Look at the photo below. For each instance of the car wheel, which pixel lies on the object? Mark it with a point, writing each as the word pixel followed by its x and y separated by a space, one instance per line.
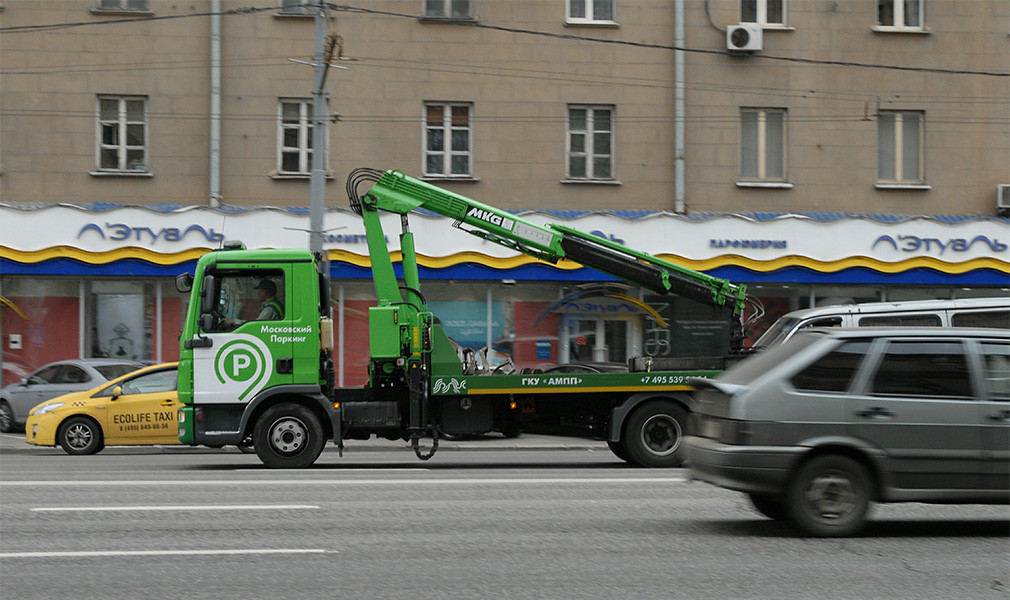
pixel 619 451
pixel 773 507
pixel 79 436
pixel 653 435
pixel 6 418
pixel 288 436
pixel 830 496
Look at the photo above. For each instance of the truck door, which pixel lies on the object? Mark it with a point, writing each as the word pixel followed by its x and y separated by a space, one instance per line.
pixel 244 320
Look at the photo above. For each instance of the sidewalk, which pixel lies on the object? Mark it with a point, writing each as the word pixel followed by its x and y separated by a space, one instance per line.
pixel 14 443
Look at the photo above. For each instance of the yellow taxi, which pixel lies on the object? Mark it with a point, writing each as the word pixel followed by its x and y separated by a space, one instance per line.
pixel 140 408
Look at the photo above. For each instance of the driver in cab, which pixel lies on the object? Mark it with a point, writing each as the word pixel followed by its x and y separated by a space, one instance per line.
pixel 270 307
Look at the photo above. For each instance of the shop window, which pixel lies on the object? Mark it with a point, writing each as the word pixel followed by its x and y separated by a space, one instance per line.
pixel 120 320
pixel 40 322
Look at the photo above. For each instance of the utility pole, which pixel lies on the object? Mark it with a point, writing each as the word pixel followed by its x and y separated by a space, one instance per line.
pixel 324 46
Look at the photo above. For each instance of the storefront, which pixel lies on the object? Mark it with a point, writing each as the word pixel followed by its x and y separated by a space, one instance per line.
pixel 89 282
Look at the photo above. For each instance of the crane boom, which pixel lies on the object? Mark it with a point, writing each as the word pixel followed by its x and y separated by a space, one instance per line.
pixel 392 191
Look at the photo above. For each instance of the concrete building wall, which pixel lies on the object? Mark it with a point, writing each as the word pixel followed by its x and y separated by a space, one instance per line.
pixel 519 85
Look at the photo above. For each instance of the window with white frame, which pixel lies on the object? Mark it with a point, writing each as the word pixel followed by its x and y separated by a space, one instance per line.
pixel 900 14
pixel 122 133
pixel 123 5
pixel 448 9
pixel 762 144
pixel 763 12
pixel 297 7
pixel 294 137
pixel 591 11
pixel 899 147
pixel 448 139
pixel 591 142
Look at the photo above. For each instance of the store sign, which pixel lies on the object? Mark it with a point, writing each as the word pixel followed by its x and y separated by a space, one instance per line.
pixel 122 232
pixel 752 244
pixel 599 306
pixel 914 243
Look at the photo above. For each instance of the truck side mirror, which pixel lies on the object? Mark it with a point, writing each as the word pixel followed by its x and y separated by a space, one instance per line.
pixel 206 322
pixel 184 283
pixel 208 294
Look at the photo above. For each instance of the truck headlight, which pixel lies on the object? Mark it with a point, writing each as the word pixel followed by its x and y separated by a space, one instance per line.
pixel 46 408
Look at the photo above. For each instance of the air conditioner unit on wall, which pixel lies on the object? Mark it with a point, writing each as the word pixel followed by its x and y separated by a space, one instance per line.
pixel 1003 196
pixel 743 38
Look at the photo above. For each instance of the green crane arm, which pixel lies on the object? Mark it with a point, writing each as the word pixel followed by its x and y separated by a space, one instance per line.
pixel 395 192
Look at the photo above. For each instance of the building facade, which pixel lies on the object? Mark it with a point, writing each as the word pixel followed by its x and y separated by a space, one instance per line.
pixel 816 151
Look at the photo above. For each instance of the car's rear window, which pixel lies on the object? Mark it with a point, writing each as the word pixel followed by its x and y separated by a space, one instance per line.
pixel 746 371
pixel 111 372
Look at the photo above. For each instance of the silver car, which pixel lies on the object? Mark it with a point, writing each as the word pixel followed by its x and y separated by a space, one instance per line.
pixel 56 379
pixel 816 429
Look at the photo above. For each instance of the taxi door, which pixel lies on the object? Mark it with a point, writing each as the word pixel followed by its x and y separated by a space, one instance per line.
pixel 143 410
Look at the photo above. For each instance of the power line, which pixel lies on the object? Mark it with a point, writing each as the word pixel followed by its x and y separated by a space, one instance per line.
pixel 520 31
pixel 566 36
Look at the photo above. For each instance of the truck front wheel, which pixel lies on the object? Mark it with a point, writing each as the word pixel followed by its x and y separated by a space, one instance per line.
pixel 653 435
pixel 288 436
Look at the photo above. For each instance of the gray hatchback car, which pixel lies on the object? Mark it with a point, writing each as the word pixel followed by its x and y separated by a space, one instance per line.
pixel 56 379
pixel 834 419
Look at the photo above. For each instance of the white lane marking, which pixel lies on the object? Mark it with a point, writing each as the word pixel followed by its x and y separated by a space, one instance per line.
pixel 344 482
pixel 183 507
pixel 164 553
pixel 365 470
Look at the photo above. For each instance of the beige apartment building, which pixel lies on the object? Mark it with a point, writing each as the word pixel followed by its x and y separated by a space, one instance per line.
pixel 816 150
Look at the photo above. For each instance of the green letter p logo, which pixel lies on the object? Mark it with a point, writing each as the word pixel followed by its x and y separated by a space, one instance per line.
pixel 242 366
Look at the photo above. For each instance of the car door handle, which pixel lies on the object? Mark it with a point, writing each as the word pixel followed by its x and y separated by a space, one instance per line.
pixel 877 412
pixel 1003 415
pixel 167 402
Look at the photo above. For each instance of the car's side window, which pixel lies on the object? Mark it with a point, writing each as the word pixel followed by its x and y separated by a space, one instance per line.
pixel 822 322
pixel 997 370
pixel 161 381
pixel 46 375
pixel 71 374
pixel 834 371
pixel 901 321
pixel 923 369
pixel 989 318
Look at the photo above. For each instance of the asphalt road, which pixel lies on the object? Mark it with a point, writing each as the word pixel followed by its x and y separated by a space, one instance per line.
pixel 535 517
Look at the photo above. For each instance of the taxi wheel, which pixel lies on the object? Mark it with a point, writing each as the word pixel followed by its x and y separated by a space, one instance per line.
pixel 79 436
pixel 6 418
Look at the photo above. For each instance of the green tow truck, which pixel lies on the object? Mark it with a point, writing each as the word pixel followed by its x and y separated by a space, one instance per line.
pixel 270 383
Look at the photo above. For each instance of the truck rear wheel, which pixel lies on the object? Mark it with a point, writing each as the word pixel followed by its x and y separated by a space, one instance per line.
pixel 653 435
pixel 288 436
